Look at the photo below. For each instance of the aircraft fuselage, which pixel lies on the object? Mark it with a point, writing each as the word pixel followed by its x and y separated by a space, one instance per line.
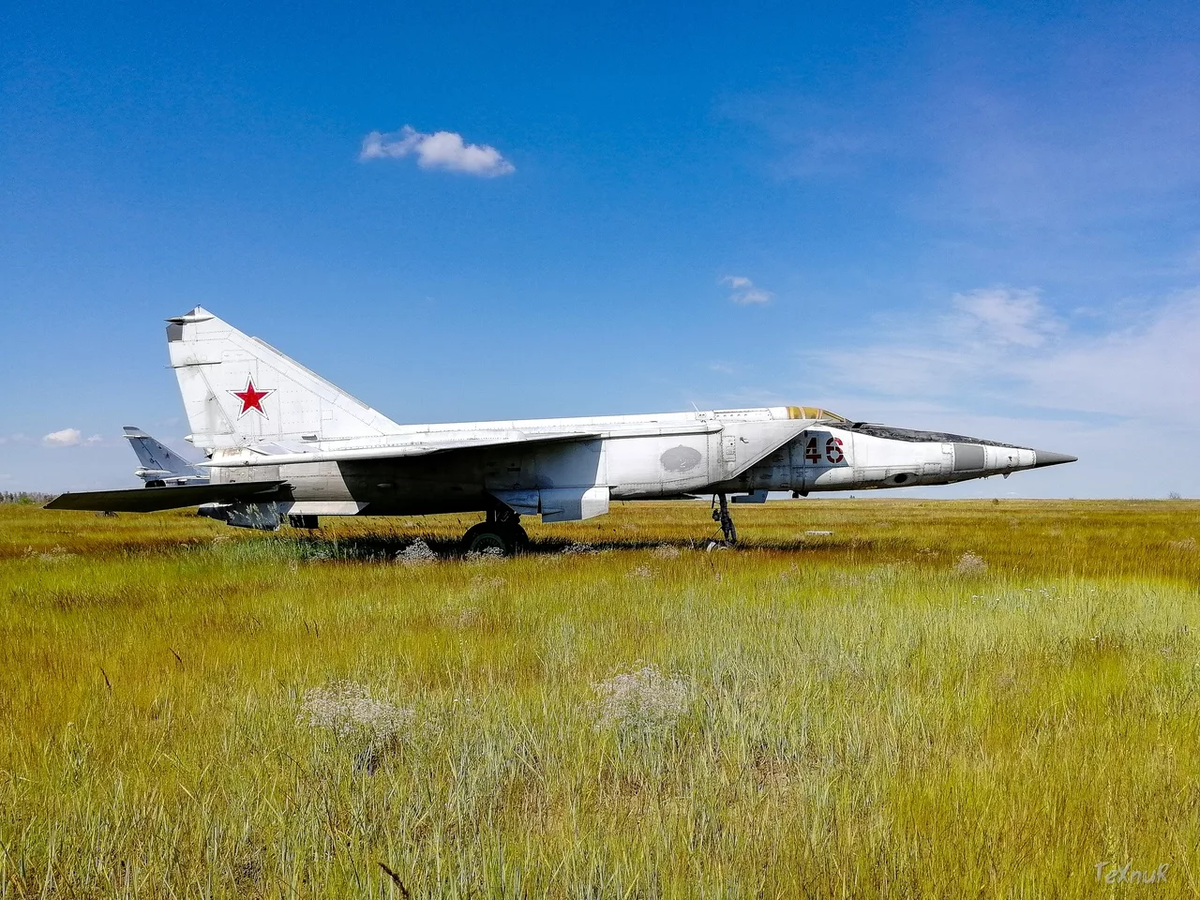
pixel 721 451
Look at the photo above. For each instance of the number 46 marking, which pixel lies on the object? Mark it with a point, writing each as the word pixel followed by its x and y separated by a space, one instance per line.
pixel 833 451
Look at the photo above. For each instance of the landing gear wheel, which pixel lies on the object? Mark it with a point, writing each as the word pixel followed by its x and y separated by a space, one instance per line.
pixel 487 537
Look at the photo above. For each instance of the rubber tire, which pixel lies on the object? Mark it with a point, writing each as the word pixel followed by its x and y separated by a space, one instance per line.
pixel 510 539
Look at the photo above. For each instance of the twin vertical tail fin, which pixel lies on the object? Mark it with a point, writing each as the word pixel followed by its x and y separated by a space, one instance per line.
pixel 239 391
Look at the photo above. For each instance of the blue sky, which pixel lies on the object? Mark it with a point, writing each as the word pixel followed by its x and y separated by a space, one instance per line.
pixel 979 218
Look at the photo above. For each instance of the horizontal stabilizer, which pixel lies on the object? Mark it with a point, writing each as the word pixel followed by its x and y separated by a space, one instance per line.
pixel 157 498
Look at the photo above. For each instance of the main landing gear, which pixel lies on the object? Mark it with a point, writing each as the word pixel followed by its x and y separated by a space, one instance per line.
pixel 721 514
pixel 501 531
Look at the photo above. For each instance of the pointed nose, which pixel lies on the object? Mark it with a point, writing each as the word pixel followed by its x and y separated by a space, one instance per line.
pixel 1046 458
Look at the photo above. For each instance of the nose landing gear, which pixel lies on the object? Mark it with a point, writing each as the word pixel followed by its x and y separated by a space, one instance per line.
pixel 721 515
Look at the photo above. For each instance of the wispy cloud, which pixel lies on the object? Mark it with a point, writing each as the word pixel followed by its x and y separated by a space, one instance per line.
pixel 1002 316
pixel 1073 151
pixel 1093 130
pixel 809 139
pixel 68 437
pixel 1001 348
pixel 439 150
pixel 744 290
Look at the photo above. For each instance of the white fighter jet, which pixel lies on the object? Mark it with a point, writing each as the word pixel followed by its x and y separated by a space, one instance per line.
pixel 282 441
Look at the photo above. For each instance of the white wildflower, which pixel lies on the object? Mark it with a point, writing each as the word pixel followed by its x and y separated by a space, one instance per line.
pixel 640 572
pixel 416 553
pixel 666 551
pixel 487 554
pixel 56 553
pixel 646 699
pixel 578 548
pixel 970 564
pixel 347 708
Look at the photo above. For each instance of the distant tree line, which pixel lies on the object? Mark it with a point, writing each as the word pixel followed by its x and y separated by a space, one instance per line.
pixel 26 497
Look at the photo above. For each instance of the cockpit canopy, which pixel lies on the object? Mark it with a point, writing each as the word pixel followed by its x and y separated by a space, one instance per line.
pixel 813 412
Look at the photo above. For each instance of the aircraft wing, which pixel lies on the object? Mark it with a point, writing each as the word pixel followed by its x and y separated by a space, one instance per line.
pixel 275 454
pixel 397 451
pixel 157 498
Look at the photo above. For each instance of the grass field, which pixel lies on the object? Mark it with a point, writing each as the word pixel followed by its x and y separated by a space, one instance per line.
pixel 951 699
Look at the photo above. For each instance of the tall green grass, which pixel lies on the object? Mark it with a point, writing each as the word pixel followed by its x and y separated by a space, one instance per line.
pixel 937 699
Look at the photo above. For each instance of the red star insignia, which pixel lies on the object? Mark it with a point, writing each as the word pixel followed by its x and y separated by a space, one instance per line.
pixel 252 398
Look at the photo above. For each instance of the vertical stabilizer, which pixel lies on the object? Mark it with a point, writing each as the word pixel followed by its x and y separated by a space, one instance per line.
pixel 238 390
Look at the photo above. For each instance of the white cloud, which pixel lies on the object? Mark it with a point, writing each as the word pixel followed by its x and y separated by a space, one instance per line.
pixel 1148 368
pixel 1004 316
pixel 440 150
pixel 744 291
pixel 94 439
pixel 68 437
pixel 1001 348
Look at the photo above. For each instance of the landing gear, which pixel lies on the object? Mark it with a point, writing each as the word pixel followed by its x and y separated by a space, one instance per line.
pixel 501 532
pixel 721 515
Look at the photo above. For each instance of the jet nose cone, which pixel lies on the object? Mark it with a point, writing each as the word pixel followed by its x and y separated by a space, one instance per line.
pixel 1046 458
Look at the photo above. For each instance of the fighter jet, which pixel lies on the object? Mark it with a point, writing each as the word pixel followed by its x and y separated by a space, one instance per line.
pixel 281 441
pixel 159 465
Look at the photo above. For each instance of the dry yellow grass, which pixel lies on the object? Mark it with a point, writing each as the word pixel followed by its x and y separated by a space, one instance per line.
pixel 937 699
